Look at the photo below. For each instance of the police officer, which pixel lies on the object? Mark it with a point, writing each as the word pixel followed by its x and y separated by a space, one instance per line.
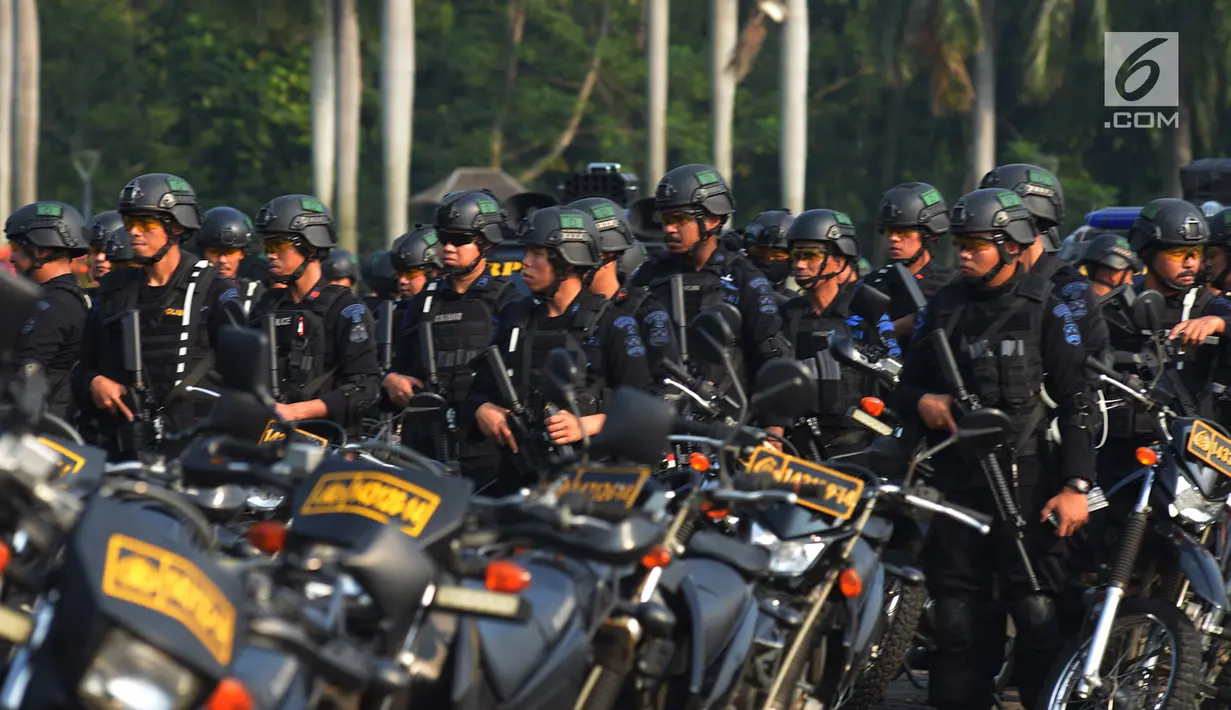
pixel 341 268
pixel 823 250
pixel 912 218
pixel 180 299
pixel 1043 196
pixel 765 244
pixel 109 243
pixel 45 237
pixel 416 260
pixel 1217 267
pixel 326 351
pixel 226 234
pixel 461 310
pixel 381 279
pixel 616 238
pixel 562 249
pixel 1008 332
pixel 1109 262
pixel 694 202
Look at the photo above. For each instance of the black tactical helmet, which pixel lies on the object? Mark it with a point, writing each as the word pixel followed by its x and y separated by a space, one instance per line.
pixel 769 230
pixel 617 236
pixel 1168 222
pixel 51 225
pixel 103 225
pixel 119 247
pixel 1109 250
pixel 914 205
pixel 995 211
pixel 695 187
pixel 226 228
pixel 340 264
pixel 1039 189
pixel 1220 228
pixel 302 216
pixel 825 226
pixel 379 274
pixel 416 249
pixel 168 196
pixel 569 232
pixel 631 260
pixel 475 211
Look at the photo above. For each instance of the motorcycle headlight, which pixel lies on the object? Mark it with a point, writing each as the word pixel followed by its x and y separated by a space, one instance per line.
pixel 787 557
pixel 1190 505
pixel 129 674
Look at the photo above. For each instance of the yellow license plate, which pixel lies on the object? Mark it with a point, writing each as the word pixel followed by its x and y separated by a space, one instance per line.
pixel 274 433
pixel 842 491
pixel 1211 446
pixel 608 484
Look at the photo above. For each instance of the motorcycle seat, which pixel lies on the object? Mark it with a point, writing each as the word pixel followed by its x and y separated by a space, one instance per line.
pixel 722 596
pixel 751 560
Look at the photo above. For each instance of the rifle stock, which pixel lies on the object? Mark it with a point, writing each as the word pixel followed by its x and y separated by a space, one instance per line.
pixel 139 434
pixel 679 315
pixel 384 336
pixel 271 335
pixel 1006 503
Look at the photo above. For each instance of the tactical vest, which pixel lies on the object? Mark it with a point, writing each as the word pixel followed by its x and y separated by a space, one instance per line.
pixel 708 287
pixel 461 329
pixel 529 346
pixel 249 291
pixel 837 390
pixel 1000 354
pixel 305 345
pixel 59 371
pixel 631 299
pixel 932 278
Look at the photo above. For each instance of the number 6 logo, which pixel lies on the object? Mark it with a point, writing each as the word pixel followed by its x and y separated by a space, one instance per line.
pixel 1141 69
pixel 1132 64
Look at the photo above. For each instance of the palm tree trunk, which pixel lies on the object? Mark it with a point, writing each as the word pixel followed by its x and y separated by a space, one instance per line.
pixel 27 34
pixel 6 108
pixel 657 19
pixel 350 94
pixel 1180 149
pixel 794 148
pixel 983 113
pixel 324 99
pixel 398 92
pixel 724 36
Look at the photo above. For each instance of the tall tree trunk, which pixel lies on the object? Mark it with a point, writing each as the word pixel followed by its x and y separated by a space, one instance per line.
pixel 517 30
pixel 724 36
pixel 398 96
pixel 7 51
pixel 27 97
pixel 350 95
pixel 324 70
pixel 657 20
pixel 1179 147
pixel 983 113
pixel 794 148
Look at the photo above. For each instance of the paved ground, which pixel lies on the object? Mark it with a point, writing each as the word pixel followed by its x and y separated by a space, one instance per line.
pixel 902 695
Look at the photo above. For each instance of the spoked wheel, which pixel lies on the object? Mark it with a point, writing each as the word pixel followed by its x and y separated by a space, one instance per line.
pixel 904 609
pixel 1153 662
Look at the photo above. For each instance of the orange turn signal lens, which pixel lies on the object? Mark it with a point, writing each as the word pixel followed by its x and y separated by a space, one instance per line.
pixel 658 556
pixel 716 513
pixel 506 576
pixel 1146 456
pixel 230 695
pixel 268 536
pixel 849 583
pixel 6 554
pixel 699 462
pixel 872 405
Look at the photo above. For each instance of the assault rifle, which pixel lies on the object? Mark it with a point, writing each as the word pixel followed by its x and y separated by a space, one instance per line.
pixel 1002 493
pixel 141 433
pixel 384 336
pixel 271 341
pixel 534 447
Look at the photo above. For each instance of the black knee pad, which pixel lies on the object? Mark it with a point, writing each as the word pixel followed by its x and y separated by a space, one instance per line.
pixel 956 621
pixel 1038 616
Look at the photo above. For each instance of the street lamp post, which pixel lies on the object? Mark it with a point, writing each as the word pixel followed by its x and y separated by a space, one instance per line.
pixel 86 162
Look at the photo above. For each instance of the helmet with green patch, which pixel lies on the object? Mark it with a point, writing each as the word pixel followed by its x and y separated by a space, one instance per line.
pixel 298 216
pixel 992 213
pixel 568 232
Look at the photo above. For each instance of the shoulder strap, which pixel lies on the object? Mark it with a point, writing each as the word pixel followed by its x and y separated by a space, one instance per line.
pixel 199 280
pixel 76 290
pixel 589 318
pixel 325 299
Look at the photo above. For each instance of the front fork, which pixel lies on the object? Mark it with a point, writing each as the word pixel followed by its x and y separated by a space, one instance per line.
pixel 1121 574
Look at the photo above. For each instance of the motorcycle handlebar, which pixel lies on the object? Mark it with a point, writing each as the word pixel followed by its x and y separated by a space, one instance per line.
pixel 755 483
pixel 579 503
pixel 933 500
pixel 246 450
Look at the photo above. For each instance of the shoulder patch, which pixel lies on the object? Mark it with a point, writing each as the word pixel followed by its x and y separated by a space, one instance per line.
pixel 632 336
pixel 759 282
pixel 228 295
pixel 354 312
pixel 1074 294
pixel 483 281
pixel 358 333
pixel 660 328
pixel 1072 334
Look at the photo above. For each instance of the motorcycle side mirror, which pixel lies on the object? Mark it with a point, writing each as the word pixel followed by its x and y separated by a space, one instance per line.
pixel 562 378
pixel 644 220
pixel 785 388
pixel 636 429
pixel 1147 311
pixel 868 303
pixel 983 430
pixel 713 331
pixel 524 204
pixel 243 360
pixel 902 290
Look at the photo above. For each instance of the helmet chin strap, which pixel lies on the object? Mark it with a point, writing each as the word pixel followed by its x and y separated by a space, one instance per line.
pixel 704 233
pixel 820 276
pixel 914 259
pixel 156 257
pixel 462 272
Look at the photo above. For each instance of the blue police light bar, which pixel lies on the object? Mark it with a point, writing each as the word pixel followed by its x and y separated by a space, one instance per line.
pixel 1113 218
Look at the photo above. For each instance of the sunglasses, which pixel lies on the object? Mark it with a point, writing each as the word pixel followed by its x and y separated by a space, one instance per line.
pixel 218 252
pixel 678 219
pixel 973 245
pixel 813 254
pixel 1182 254
pixel 456 239
pixel 96 249
pixel 277 245
pixel 768 254
pixel 412 274
pixel 142 222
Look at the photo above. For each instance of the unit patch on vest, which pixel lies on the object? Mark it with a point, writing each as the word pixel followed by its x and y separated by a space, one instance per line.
pixel 228 295
pixel 355 313
pixel 358 333
pixel 448 317
pixel 1072 335
pixel 632 340
pixel 1075 295
pixel 660 334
